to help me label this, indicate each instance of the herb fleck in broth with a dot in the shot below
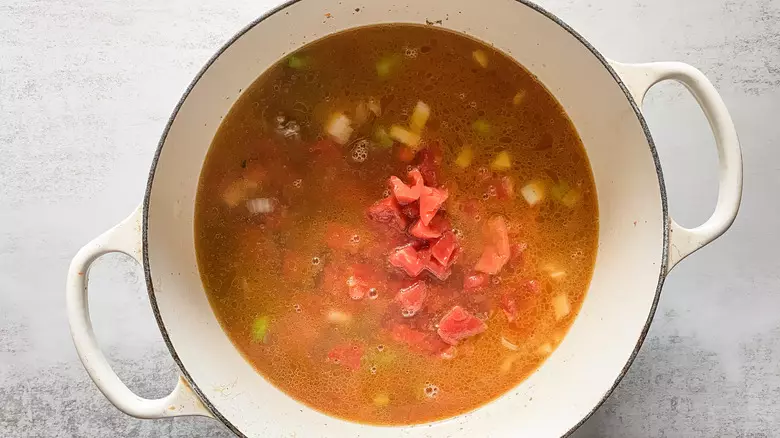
(306, 254)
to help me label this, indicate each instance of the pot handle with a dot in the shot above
(124, 238)
(639, 78)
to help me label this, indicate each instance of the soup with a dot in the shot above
(396, 224)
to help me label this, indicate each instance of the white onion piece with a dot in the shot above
(545, 349)
(261, 205)
(533, 193)
(339, 127)
(561, 306)
(419, 117)
(338, 317)
(509, 345)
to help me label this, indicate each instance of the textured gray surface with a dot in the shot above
(86, 87)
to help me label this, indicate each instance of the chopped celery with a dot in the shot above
(387, 65)
(564, 194)
(481, 127)
(405, 136)
(464, 157)
(382, 138)
(260, 328)
(481, 58)
(502, 162)
(298, 62)
(419, 117)
(519, 98)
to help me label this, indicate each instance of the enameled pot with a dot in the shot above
(639, 242)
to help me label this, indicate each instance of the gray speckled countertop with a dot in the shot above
(86, 87)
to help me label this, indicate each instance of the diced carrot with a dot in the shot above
(405, 153)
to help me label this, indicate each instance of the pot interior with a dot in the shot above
(631, 253)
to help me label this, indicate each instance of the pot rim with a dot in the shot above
(147, 196)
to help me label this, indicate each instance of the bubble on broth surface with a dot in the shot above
(360, 151)
(431, 390)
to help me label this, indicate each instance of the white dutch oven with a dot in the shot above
(638, 241)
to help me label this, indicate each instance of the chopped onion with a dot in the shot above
(554, 272)
(464, 157)
(261, 205)
(339, 317)
(405, 136)
(502, 162)
(519, 98)
(545, 349)
(419, 117)
(561, 306)
(339, 127)
(509, 345)
(506, 365)
(481, 58)
(533, 192)
(381, 400)
(238, 191)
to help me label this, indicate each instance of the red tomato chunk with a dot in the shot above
(438, 226)
(444, 248)
(417, 340)
(496, 252)
(348, 355)
(407, 259)
(388, 211)
(431, 199)
(459, 324)
(475, 280)
(412, 298)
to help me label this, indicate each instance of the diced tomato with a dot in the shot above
(515, 302)
(411, 211)
(444, 247)
(405, 153)
(516, 251)
(348, 355)
(407, 259)
(505, 187)
(459, 324)
(430, 159)
(416, 177)
(438, 225)
(496, 252)
(387, 211)
(475, 280)
(509, 306)
(417, 340)
(437, 269)
(404, 194)
(412, 298)
(361, 279)
(431, 199)
(357, 288)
